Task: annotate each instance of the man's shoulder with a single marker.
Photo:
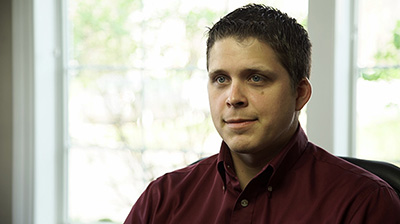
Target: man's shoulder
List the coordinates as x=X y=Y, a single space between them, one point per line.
x=199 y=168
x=343 y=170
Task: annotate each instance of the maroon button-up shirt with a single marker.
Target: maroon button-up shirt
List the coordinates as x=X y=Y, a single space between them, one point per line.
x=302 y=184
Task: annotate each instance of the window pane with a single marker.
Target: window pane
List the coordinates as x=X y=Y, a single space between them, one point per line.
x=138 y=104
x=378 y=33
x=378 y=101
x=127 y=128
x=102 y=32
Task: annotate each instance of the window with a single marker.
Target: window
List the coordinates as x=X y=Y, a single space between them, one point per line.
x=137 y=107
x=378 y=82
x=107 y=73
x=137 y=99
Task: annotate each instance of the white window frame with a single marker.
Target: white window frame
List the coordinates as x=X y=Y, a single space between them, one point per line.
x=331 y=111
x=39 y=99
x=38 y=137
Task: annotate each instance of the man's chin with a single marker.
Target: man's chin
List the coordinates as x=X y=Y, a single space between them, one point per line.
x=240 y=146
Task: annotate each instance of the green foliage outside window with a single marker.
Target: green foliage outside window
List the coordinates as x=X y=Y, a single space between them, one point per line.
x=388 y=60
x=134 y=68
x=377 y=133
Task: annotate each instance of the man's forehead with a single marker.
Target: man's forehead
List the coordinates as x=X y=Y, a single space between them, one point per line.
x=250 y=52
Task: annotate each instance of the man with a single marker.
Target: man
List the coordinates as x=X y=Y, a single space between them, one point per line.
x=258 y=60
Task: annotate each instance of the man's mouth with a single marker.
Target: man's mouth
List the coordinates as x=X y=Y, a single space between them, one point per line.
x=239 y=123
x=238 y=120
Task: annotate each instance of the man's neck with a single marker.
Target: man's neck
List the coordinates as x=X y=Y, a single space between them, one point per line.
x=248 y=166
x=244 y=171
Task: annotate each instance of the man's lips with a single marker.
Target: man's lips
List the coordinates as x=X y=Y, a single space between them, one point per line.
x=238 y=120
x=239 y=123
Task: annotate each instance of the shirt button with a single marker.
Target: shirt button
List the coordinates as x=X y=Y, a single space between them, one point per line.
x=244 y=203
x=269 y=188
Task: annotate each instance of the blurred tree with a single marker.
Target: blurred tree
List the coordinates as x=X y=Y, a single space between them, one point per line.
x=377 y=136
x=127 y=83
x=102 y=31
x=388 y=60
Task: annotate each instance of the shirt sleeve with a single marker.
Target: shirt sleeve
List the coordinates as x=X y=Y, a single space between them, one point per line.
x=142 y=210
x=380 y=206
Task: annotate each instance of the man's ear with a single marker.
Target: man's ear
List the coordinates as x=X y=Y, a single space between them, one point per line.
x=304 y=91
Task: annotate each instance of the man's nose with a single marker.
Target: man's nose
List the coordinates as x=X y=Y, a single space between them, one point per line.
x=237 y=97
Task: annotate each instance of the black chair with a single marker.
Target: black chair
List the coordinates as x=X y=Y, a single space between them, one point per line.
x=386 y=171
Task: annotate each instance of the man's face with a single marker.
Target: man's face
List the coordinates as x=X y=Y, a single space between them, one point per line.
x=252 y=101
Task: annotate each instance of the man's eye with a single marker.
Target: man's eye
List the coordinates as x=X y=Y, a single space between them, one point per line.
x=256 y=78
x=220 y=79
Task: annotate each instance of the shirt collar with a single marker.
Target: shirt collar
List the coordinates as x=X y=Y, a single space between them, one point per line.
x=288 y=156
x=280 y=164
x=224 y=161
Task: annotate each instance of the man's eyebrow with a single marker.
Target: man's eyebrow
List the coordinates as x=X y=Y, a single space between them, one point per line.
x=217 y=71
x=262 y=70
x=256 y=70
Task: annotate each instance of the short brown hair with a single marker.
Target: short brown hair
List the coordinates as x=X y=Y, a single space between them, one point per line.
x=282 y=33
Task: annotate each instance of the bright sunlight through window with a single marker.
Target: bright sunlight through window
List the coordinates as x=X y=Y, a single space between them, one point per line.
x=378 y=83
